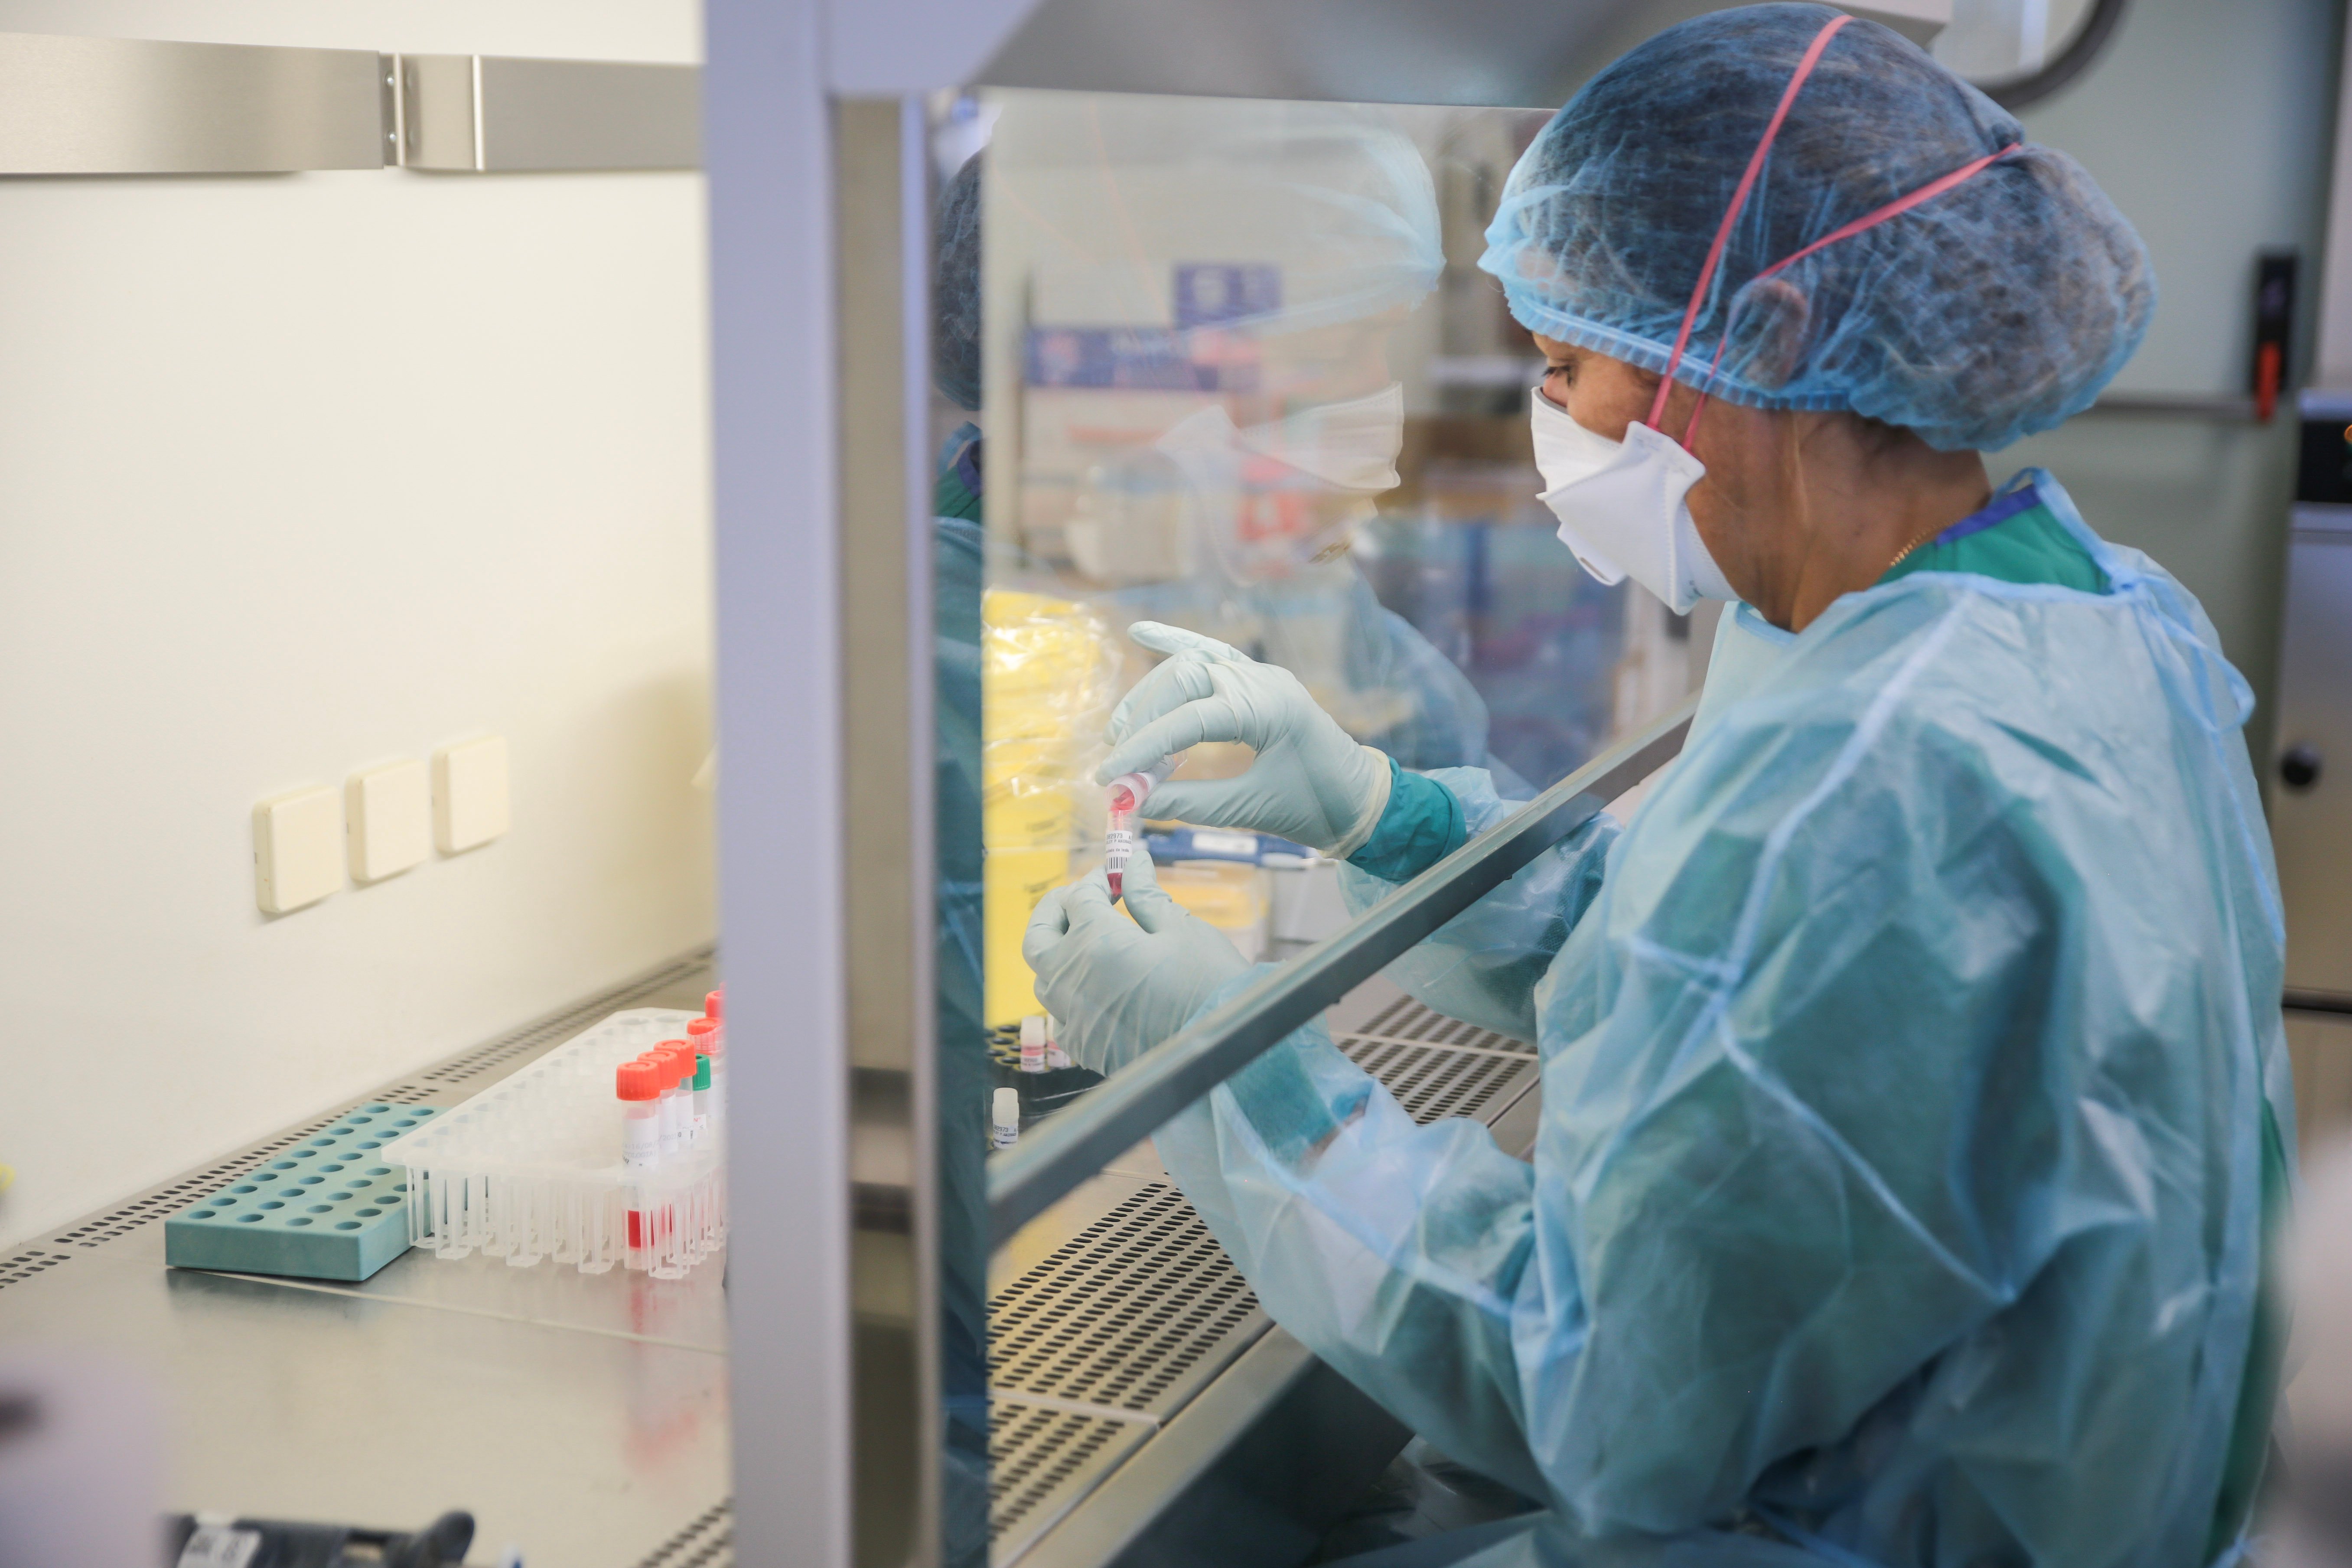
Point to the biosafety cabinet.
(1022, 324)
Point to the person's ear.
(1770, 319)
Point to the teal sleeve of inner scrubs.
(1422, 824)
(1898, 1188)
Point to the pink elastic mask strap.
(1731, 214)
(1900, 204)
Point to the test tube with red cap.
(1125, 795)
(638, 1086)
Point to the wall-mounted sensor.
(469, 794)
(298, 848)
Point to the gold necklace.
(1904, 553)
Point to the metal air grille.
(706, 1542)
(1407, 1020)
(15, 1270)
(1133, 1312)
(165, 1202)
(1433, 1083)
(1042, 1462)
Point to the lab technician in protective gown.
(1912, 1062)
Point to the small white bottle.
(1033, 1043)
(1004, 1118)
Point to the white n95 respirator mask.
(1621, 505)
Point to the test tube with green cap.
(708, 1035)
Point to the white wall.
(2210, 126)
(303, 473)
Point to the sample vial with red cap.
(1124, 798)
(638, 1084)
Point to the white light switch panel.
(390, 813)
(469, 794)
(298, 848)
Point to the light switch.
(390, 813)
(469, 794)
(298, 848)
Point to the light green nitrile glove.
(1120, 987)
(1311, 783)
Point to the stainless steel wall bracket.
(136, 106)
(140, 105)
(489, 114)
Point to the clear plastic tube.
(1127, 793)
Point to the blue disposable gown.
(1896, 1193)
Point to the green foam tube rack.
(330, 1209)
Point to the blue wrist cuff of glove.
(1421, 825)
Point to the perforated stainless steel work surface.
(1132, 1314)
(1432, 1082)
(29, 1263)
(1043, 1460)
(1407, 1020)
(706, 1541)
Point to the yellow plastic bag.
(1049, 671)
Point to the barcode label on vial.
(220, 1546)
